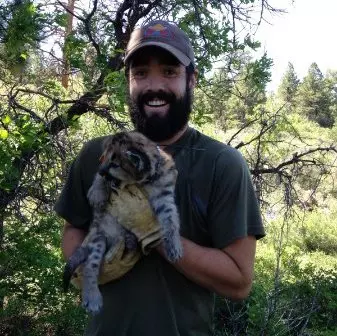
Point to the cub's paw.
(131, 240)
(92, 301)
(97, 197)
(173, 249)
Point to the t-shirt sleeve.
(234, 211)
(73, 205)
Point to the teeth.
(156, 102)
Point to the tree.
(248, 92)
(235, 92)
(289, 84)
(331, 81)
(314, 98)
(68, 31)
(21, 30)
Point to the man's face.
(160, 93)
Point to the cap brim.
(174, 51)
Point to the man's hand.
(227, 272)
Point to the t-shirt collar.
(176, 147)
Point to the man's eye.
(170, 72)
(139, 73)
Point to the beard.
(160, 128)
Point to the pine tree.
(315, 98)
(289, 84)
(331, 79)
(235, 94)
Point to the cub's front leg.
(98, 193)
(164, 207)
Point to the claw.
(92, 302)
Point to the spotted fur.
(128, 158)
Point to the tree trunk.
(69, 29)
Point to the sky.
(306, 34)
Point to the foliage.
(296, 263)
(288, 140)
(241, 92)
(22, 28)
(289, 84)
(32, 269)
(319, 232)
(314, 97)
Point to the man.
(220, 218)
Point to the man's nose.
(155, 82)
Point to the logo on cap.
(158, 30)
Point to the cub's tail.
(79, 257)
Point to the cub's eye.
(113, 165)
(135, 159)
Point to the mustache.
(160, 95)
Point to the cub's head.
(129, 157)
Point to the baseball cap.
(162, 34)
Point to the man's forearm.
(216, 270)
(71, 239)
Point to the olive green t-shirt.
(217, 205)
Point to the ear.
(193, 79)
(108, 153)
(135, 159)
(107, 149)
(102, 158)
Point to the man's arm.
(71, 239)
(227, 272)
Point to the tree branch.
(296, 158)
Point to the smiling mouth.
(156, 103)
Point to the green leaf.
(31, 9)
(6, 120)
(61, 19)
(75, 117)
(3, 134)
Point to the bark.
(69, 29)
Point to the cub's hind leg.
(91, 297)
(107, 236)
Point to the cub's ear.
(135, 158)
(102, 158)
